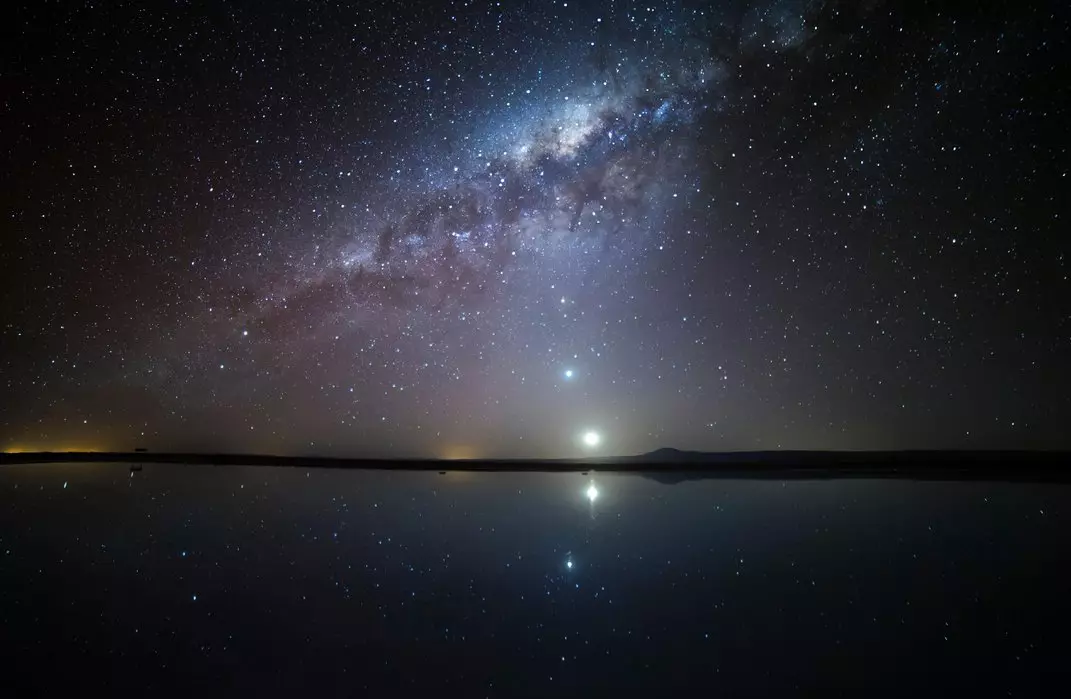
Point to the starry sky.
(492, 228)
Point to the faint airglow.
(592, 492)
(591, 439)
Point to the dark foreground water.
(178, 580)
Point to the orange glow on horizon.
(54, 449)
(454, 452)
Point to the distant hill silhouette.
(669, 465)
(669, 454)
(666, 465)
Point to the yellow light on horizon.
(60, 449)
(455, 452)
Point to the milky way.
(478, 229)
(569, 180)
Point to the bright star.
(591, 438)
(569, 565)
(568, 374)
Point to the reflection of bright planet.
(592, 492)
(591, 438)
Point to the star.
(568, 215)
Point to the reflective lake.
(176, 579)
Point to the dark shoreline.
(665, 465)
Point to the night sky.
(486, 229)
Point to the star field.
(494, 229)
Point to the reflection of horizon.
(462, 476)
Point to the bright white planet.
(591, 438)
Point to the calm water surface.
(353, 583)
